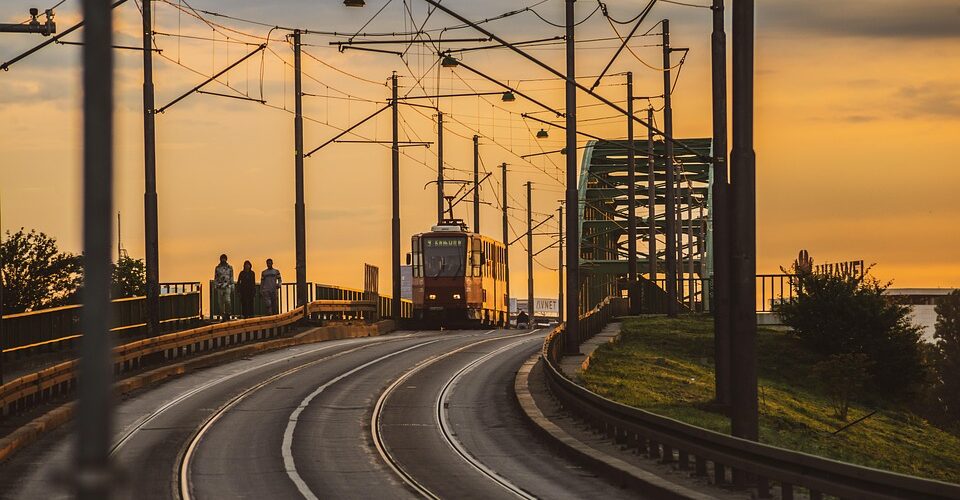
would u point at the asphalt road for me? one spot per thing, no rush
(411, 414)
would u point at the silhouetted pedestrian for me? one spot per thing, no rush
(223, 284)
(270, 282)
(246, 286)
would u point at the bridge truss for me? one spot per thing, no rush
(604, 208)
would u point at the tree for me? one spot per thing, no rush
(842, 378)
(36, 274)
(947, 365)
(129, 278)
(849, 314)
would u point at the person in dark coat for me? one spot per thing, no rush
(246, 286)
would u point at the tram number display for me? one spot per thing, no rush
(443, 242)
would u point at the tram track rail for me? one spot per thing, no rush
(443, 425)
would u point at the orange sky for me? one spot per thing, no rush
(858, 114)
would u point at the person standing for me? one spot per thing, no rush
(223, 283)
(270, 282)
(246, 285)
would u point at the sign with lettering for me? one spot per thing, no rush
(443, 242)
(850, 269)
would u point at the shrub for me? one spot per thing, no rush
(947, 364)
(842, 377)
(850, 315)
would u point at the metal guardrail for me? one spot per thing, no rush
(30, 390)
(53, 329)
(315, 291)
(673, 441)
(385, 303)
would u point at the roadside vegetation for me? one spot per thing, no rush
(36, 274)
(666, 366)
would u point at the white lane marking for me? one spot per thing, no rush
(214, 417)
(378, 408)
(137, 425)
(287, 447)
(446, 430)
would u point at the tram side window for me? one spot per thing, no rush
(475, 249)
(417, 262)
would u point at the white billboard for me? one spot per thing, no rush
(541, 306)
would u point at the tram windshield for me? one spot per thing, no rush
(444, 256)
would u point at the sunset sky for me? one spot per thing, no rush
(857, 126)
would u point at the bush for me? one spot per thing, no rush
(842, 378)
(947, 364)
(850, 315)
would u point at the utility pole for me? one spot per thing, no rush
(560, 264)
(476, 184)
(530, 251)
(743, 220)
(632, 204)
(720, 211)
(571, 341)
(151, 225)
(506, 238)
(301, 219)
(690, 244)
(651, 201)
(395, 159)
(94, 429)
(439, 165)
(670, 231)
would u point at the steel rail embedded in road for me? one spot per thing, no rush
(377, 434)
(450, 437)
(184, 468)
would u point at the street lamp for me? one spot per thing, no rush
(542, 134)
(508, 97)
(354, 3)
(449, 62)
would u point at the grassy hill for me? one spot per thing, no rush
(666, 366)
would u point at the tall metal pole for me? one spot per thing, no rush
(670, 231)
(720, 210)
(651, 201)
(439, 166)
(632, 204)
(530, 310)
(395, 159)
(301, 219)
(94, 407)
(506, 238)
(150, 211)
(691, 286)
(476, 182)
(560, 264)
(571, 341)
(743, 220)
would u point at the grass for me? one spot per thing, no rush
(666, 366)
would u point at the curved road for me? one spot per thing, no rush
(411, 414)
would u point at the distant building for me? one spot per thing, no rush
(922, 302)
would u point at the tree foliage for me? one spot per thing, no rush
(36, 274)
(842, 377)
(947, 364)
(849, 315)
(129, 278)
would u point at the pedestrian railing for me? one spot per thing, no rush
(58, 328)
(385, 303)
(707, 452)
(30, 390)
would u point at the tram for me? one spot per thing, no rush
(459, 277)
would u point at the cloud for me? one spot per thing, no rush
(916, 19)
(929, 99)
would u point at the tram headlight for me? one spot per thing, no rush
(456, 296)
(433, 296)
